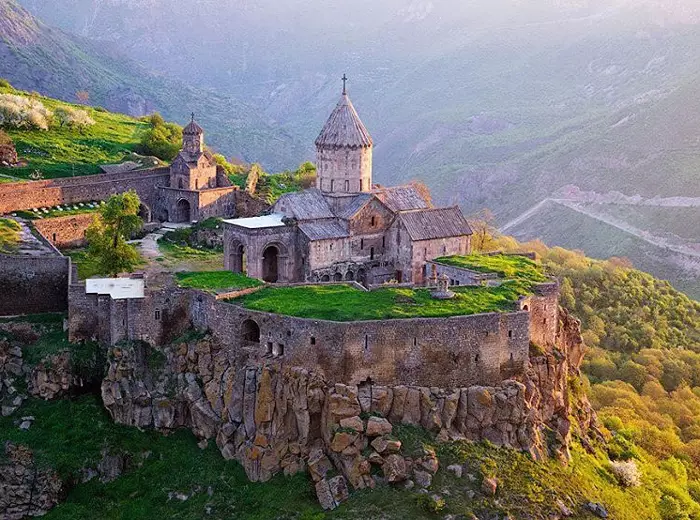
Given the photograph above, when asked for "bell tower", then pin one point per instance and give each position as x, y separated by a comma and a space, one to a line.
193, 138
344, 151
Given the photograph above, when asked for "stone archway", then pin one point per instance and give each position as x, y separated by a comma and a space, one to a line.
182, 211
145, 213
271, 267
362, 276
338, 277
349, 276
237, 259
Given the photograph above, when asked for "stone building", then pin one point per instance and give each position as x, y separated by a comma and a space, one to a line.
198, 188
346, 228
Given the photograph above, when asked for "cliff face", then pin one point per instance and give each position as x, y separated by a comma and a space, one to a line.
272, 418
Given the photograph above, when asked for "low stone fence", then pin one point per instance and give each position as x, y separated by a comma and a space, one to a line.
460, 275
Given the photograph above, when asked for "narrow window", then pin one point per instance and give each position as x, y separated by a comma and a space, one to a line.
476, 358
347, 186
415, 342
511, 356
373, 221
331, 246
313, 340
383, 242
371, 253
362, 243
268, 350
54, 237
289, 333
332, 184
366, 342
196, 184
544, 321
510, 333
158, 314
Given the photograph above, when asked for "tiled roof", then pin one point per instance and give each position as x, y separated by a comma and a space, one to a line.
428, 224
401, 198
304, 205
323, 230
344, 128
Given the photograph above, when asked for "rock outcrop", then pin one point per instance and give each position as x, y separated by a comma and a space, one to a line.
11, 377
25, 489
274, 418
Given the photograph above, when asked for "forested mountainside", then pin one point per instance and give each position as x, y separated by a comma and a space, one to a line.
500, 105
36, 57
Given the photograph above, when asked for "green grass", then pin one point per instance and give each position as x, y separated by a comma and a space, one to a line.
9, 235
62, 152
510, 267
186, 258
216, 281
346, 303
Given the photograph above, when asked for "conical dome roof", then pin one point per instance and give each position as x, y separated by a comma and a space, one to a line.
192, 128
344, 128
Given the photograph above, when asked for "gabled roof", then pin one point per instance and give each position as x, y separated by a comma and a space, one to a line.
402, 198
428, 224
344, 128
192, 159
356, 204
304, 205
323, 230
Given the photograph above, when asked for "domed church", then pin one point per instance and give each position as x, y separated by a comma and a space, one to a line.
346, 228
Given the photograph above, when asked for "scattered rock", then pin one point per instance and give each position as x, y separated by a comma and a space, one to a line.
353, 423
423, 478
456, 469
597, 509
202, 445
331, 493
489, 486
378, 426
394, 468
563, 509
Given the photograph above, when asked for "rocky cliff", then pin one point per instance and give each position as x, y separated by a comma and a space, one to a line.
274, 418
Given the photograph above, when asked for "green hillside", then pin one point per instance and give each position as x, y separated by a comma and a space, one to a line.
35, 57
63, 151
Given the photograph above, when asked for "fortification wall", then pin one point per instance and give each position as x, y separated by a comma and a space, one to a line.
48, 193
65, 231
543, 307
33, 285
478, 349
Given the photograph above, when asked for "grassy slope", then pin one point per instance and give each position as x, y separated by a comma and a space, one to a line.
9, 235
62, 152
36, 57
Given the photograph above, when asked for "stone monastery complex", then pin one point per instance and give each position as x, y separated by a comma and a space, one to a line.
346, 228
456, 348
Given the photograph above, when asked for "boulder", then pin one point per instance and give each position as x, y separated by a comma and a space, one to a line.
489, 486
353, 423
331, 493
378, 426
456, 469
423, 479
394, 468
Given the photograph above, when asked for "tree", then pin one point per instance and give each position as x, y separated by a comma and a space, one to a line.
162, 140
73, 117
483, 229
107, 236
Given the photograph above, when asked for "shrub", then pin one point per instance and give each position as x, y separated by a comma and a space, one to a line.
626, 473
4, 83
73, 117
163, 140
21, 112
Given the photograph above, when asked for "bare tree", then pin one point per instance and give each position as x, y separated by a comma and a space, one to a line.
83, 96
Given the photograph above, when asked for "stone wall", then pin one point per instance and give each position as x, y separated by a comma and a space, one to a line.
33, 285
49, 193
65, 231
459, 275
478, 349
543, 307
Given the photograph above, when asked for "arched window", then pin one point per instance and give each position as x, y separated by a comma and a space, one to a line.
250, 331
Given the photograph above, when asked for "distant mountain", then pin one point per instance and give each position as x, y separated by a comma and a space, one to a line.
34, 56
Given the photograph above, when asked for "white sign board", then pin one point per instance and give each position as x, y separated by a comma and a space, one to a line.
117, 288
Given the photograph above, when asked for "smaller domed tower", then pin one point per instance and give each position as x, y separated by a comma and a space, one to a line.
193, 138
344, 151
